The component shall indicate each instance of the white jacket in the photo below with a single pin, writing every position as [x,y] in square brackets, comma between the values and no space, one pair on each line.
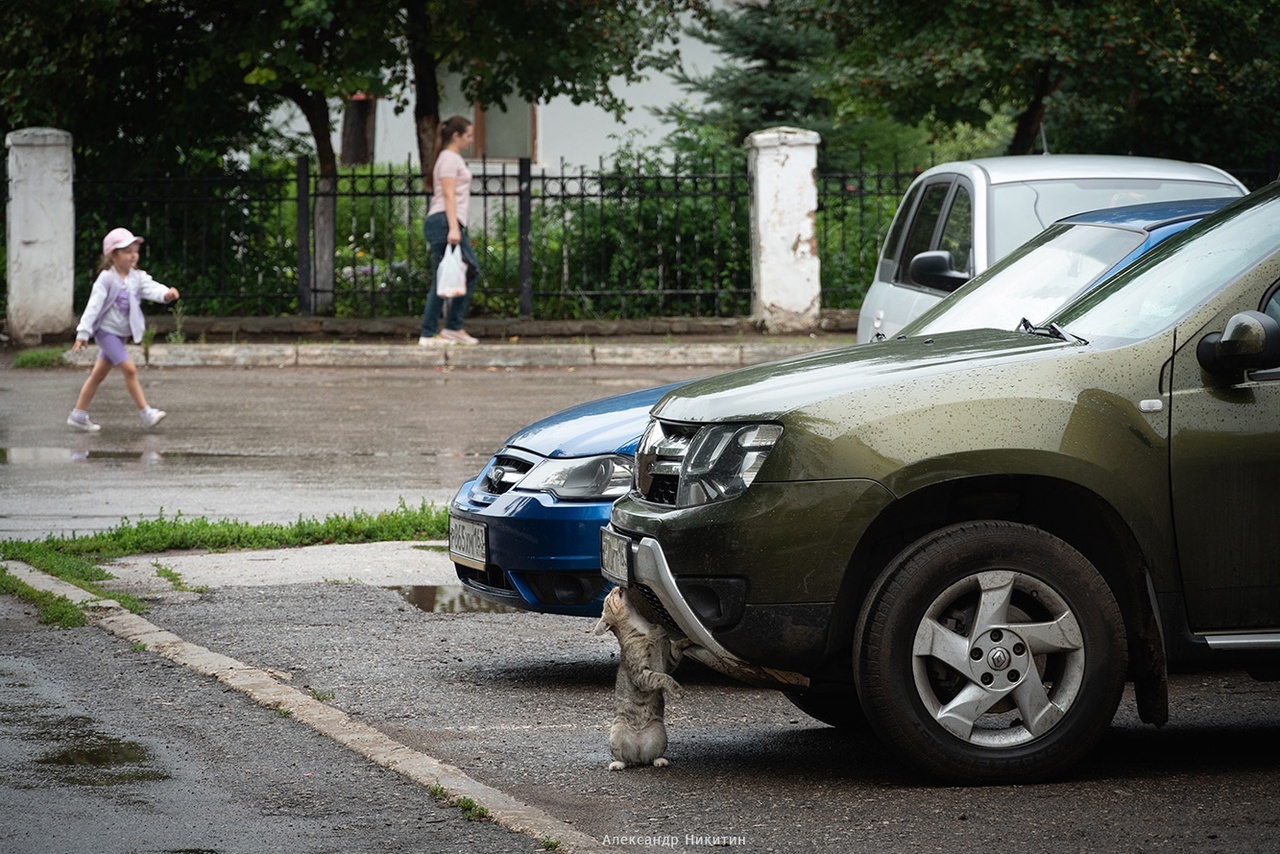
[103,296]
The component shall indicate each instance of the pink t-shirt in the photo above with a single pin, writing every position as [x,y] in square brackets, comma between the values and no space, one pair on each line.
[449,164]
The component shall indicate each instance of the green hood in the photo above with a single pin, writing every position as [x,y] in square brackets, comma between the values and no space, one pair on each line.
[771,391]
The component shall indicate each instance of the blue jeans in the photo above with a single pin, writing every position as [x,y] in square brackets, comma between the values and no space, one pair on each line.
[436,231]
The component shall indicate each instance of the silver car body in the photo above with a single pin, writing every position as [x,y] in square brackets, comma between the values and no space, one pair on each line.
[981,210]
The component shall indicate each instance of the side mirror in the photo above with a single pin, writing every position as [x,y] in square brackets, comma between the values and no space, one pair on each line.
[1250,342]
[933,270]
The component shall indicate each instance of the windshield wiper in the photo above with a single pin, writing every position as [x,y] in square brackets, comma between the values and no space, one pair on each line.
[1053,330]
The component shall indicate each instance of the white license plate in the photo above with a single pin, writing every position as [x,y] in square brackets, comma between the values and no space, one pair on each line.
[615,557]
[468,542]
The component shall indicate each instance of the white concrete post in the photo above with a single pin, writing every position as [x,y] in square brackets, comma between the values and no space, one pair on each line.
[41,219]
[786,284]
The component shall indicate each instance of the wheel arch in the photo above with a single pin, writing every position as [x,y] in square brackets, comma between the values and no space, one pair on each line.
[1068,511]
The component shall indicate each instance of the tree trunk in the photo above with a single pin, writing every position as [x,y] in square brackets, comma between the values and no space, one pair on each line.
[359,125]
[1030,121]
[316,110]
[426,87]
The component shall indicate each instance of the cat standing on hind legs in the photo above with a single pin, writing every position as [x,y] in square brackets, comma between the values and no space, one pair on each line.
[647,657]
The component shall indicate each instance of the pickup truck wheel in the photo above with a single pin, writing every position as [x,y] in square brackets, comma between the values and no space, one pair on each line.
[990,652]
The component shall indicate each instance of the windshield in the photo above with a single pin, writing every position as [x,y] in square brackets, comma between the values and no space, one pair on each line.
[1033,282]
[1020,211]
[1162,287]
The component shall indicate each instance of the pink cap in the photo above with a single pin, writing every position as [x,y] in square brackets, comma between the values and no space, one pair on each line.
[118,238]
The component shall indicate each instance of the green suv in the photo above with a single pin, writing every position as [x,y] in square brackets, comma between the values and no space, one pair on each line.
[975,539]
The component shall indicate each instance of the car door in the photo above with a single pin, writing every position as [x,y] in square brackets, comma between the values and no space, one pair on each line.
[1225,478]
[941,217]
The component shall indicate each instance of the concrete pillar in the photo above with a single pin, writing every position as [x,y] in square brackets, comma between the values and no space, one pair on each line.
[41,220]
[786,285]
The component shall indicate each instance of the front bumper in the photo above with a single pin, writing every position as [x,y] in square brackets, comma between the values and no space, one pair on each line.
[754,581]
[650,576]
[542,554]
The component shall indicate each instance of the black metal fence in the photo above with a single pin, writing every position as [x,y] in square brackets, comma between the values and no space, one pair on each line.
[618,243]
[591,244]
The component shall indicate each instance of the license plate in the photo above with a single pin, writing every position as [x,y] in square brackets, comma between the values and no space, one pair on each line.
[615,557]
[468,542]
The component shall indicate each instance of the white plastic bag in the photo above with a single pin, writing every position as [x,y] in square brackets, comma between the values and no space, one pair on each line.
[451,275]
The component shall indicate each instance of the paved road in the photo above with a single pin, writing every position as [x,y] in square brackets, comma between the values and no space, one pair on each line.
[519,702]
[269,444]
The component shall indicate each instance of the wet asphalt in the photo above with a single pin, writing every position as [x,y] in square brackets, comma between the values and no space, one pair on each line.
[173,759]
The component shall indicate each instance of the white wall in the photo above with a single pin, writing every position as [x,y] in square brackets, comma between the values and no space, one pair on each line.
[577,134]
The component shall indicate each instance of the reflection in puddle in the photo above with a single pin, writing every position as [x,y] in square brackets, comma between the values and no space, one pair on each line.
[30,456]
[449,599]
[79,754]
[98,760]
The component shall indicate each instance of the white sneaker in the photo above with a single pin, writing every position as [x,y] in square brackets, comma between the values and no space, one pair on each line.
[457,336]
[434,341]
[152,416]
[82,422]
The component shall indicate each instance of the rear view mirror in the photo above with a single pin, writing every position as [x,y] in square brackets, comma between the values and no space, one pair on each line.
[933,270]
[1250,342]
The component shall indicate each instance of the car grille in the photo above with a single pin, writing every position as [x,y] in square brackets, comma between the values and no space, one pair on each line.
[504,472]
[659,458]
[652,599]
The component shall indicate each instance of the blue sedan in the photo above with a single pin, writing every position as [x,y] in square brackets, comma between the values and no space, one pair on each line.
[526,531]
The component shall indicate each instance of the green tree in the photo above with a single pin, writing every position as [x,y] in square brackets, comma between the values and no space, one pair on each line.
[533,50]
[777,70]
[1158,77]
[770,75]
[126,78]
[315,51]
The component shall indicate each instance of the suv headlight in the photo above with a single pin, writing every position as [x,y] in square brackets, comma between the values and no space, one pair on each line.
[722,461]
[580,478]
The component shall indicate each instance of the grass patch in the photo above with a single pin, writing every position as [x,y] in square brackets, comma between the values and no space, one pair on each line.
[75,559]
[52,609]
[175,579]
[40,357]
[471,810]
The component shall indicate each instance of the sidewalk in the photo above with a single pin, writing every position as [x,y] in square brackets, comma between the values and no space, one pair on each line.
[392,342]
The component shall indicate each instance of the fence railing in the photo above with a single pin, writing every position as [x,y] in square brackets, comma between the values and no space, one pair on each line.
[585,244]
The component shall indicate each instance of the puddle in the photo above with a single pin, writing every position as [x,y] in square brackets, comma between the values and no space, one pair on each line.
[449,599]
[99,760]
[75,753]
[45,456]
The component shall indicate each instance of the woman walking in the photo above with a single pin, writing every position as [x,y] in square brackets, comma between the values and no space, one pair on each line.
[446,225]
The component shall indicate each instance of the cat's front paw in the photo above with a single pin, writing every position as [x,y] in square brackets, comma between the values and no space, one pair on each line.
[661,762]
[616,765]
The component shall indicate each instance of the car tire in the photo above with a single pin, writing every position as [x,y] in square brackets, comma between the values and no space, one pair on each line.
[837,707]
[973,631]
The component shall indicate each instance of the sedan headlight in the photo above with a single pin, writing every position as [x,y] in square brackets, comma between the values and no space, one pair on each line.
[580,478]
[722,460]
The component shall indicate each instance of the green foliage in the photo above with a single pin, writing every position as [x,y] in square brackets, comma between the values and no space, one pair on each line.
[1195,80]
[74,559]
[660,231]
[53,610]
[161,534]
[135,77]
[40,357]
[383,262]
[227,239]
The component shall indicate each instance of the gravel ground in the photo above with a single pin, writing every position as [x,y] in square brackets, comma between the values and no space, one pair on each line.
[522,702]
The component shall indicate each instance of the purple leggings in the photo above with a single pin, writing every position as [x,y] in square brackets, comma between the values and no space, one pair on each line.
[111,347]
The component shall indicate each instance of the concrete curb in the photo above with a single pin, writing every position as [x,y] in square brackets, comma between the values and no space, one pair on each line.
[726,355]
[265,689]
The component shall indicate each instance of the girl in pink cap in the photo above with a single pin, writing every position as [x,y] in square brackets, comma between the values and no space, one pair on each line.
[114,312]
